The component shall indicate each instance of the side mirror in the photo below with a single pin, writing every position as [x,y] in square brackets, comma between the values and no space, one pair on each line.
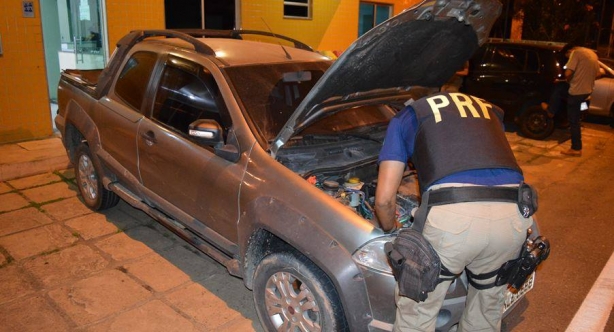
[209,132]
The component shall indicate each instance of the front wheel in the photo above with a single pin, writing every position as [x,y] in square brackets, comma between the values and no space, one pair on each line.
[292,294]
[94,194]
[536,124]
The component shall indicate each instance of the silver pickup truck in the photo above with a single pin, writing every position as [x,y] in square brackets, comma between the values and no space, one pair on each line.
[264,155]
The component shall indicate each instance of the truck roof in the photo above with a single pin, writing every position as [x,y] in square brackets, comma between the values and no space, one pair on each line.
[229,47]
[235,52]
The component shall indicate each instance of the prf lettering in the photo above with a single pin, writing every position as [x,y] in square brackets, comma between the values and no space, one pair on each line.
[463,103]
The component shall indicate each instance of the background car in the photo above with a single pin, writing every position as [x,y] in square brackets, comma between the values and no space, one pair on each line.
[517,76]
[602,98]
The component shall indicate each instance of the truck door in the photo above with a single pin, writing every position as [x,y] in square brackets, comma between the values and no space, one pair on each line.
[119,113]
[174,166]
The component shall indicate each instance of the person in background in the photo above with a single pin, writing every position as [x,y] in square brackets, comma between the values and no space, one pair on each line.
[581,71]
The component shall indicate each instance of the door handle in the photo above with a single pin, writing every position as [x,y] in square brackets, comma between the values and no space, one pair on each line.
[149,137]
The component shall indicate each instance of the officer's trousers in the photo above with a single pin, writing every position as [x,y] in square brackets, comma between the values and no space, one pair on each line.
[480,236]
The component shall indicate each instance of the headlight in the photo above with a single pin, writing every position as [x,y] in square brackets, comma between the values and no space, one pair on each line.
[372,255]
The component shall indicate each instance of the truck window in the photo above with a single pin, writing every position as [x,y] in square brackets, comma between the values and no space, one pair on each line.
[185,95]
[134,77]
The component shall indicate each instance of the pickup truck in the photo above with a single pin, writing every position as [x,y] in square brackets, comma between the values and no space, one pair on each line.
[263,154]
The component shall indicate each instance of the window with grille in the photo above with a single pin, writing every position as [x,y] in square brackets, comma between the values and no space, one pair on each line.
[297,9]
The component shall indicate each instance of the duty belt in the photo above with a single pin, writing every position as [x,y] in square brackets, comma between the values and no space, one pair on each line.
[523,195]
[450,195]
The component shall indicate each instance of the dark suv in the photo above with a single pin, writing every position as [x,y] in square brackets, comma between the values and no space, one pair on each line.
[517,76]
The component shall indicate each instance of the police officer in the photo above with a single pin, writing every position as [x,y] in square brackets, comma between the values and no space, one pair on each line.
[455,140]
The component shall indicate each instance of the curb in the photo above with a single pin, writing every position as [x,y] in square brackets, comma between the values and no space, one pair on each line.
[29,158]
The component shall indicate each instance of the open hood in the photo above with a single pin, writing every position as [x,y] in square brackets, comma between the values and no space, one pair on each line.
[422,46]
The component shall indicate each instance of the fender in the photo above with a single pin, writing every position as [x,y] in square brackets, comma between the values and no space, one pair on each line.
[77,117]
[332,258]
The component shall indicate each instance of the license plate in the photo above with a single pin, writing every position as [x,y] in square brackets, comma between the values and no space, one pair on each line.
[511,298]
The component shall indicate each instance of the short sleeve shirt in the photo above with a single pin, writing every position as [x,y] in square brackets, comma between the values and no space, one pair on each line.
[585,66]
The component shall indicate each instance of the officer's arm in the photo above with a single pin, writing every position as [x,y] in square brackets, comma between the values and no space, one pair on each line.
[388,181]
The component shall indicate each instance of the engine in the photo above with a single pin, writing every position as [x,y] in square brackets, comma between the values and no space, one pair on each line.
[359,195]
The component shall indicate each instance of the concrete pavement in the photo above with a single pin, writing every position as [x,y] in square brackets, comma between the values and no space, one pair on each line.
[66,268]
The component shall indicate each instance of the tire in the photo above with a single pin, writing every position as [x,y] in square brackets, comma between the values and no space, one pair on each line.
[87,175]
[292,294]
[536,124]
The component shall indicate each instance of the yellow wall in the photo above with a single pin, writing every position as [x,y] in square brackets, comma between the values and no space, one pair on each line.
[333,27]
[24,100]
[124,16]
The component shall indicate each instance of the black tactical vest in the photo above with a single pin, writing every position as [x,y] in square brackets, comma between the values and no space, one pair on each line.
[457,132]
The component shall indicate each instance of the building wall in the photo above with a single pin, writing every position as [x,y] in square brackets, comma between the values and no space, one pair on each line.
[24,99]
[24,96]
[333,27]
[124,16]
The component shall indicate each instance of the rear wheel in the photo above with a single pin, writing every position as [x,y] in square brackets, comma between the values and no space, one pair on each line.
[95,196]
[536,124]
[292,294]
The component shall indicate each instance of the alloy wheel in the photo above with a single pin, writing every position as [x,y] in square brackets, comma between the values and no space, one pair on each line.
[290,304]
[88,179]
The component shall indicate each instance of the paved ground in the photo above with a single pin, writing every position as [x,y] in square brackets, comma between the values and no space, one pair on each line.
[30,158]
[65,268]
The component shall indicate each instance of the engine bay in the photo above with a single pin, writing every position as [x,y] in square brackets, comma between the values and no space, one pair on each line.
[356,190]
[344,166]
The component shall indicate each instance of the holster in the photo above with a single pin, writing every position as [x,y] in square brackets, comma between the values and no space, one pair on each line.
[415,264]
[527,200]
[516,271]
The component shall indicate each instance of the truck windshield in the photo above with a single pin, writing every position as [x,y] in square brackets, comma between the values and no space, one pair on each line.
[268,96]
[270,93]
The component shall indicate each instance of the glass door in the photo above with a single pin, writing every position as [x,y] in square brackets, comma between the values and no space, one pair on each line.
[81,36]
